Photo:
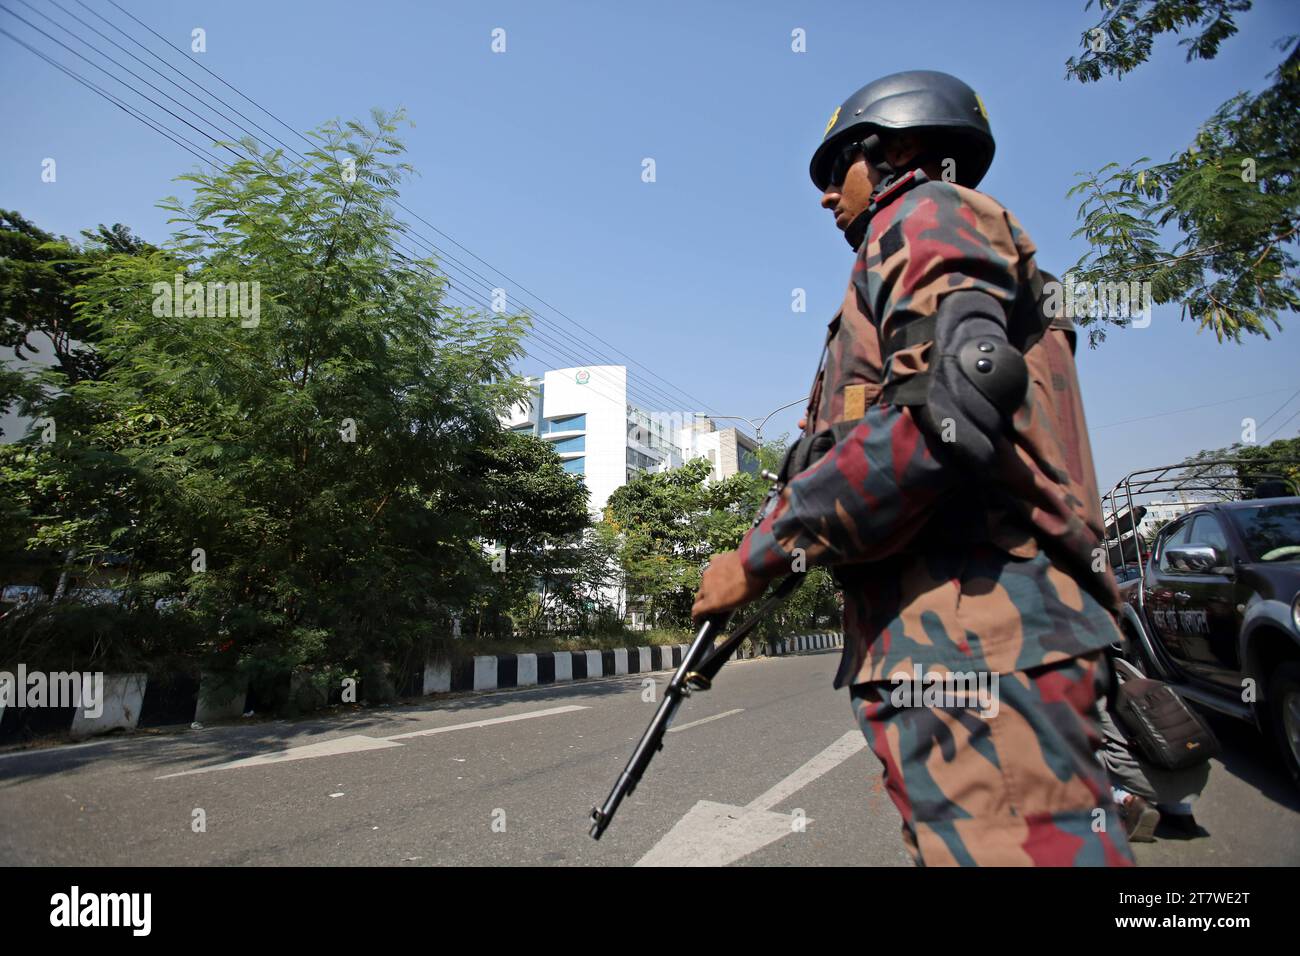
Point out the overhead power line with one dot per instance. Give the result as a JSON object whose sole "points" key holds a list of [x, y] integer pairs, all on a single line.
{"points": [[554, 345], [430, 225]]}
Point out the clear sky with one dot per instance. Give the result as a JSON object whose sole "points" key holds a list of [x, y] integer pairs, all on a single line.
{"points": [[532, 158]]}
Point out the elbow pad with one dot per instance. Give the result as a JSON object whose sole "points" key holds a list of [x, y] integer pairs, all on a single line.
{"points": [[977, 378]]}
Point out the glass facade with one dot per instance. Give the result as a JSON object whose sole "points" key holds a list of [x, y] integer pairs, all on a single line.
{"points": [[651, 431], [576, 466], [639, 462], [573, 423], [576, 443]]}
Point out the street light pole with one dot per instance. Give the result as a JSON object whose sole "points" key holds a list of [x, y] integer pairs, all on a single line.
{"points": [[756, 425]]}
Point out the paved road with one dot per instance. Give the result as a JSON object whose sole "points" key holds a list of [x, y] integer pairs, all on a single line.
{"points": [[766, 769]]}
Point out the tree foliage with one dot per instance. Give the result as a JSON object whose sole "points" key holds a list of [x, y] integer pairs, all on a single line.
{"points": [[668, 524], [38, 322], [313, 485], [1256, 463], [1214, 227]]}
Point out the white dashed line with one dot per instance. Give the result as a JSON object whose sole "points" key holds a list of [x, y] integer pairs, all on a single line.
{"points": [[696, 723]]}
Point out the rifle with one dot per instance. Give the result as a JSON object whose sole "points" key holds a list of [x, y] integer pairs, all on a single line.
{"points": [[699, 666]]}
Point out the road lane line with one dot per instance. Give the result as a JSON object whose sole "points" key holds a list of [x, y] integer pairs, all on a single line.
{"points": [[696, 723], [357, 743], [567, 709], [823, 763], [354, 743]]}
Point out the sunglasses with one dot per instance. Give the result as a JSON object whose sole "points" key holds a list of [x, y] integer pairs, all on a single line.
{"points": [[847, 157]]}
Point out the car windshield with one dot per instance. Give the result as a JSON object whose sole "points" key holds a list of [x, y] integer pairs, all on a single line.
{"points": [[1271, 532]]}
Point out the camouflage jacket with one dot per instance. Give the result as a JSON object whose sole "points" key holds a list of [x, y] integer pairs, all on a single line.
{"points": [[940, 567]]}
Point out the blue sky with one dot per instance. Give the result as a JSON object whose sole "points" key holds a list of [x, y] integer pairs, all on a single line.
{"points": [[532, 159]]}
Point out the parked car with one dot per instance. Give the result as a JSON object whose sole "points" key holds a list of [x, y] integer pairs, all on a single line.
{"points": [[1216, 612]]}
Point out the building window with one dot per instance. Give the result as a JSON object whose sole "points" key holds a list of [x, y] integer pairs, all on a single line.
{"points": [[575, 466], [572, 423], [637, 460], [577, 443]]}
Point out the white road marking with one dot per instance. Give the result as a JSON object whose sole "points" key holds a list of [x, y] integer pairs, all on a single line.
{"points": [[696, 723], [716, 834], [357, 743], [354, 743], [824, 762], [567, 709]]}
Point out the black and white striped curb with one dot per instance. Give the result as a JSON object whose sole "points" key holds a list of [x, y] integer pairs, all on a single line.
{"points": [[498, 671], [798, 643], [134, 700]]}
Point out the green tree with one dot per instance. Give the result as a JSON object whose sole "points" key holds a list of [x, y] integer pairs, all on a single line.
{"points": [[577, 584], [1230, 201], [524, 494], [297, 480], [668, 525], [38, 274], [532, 510], [1277, 459]]}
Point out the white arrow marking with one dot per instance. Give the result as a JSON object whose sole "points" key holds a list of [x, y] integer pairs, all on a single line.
{"points": [[716, 834], [823, 763]]}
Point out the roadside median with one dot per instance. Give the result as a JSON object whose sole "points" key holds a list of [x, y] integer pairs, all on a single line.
{"points": [[133, 701]]}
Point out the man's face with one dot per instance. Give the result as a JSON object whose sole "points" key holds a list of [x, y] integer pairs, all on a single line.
{"points": [[850, 197]]}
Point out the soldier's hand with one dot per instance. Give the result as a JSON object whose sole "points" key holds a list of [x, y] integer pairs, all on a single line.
{"points": [[726, 585]]}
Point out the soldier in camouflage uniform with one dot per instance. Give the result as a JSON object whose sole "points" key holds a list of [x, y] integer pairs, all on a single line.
{"points": [[945, 475]]}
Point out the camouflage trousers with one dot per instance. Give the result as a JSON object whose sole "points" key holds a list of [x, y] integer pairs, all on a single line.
{"points": [[1019, 786]]}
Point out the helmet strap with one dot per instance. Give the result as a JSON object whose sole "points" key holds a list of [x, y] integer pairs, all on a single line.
{"points": [[873, 151]]}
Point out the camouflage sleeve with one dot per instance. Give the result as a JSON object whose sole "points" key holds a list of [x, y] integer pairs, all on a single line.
{"points": [[871, 493], [862, 501]]}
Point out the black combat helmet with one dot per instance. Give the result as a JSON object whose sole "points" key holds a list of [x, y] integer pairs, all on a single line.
{"points": [[917, 100]]}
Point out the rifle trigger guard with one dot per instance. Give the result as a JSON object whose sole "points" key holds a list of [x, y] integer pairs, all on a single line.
{"points": [[698, 681]]}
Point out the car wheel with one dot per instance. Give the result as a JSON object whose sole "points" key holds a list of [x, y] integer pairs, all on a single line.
{"points": [[1284, 713]]}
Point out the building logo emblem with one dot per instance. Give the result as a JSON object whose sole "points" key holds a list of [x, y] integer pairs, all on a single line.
{"points": [[583, 377]]}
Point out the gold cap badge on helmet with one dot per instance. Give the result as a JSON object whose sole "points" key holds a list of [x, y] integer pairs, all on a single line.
{"points": [[831, 122]]}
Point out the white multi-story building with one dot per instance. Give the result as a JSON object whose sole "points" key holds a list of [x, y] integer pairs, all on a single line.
{"points": [[585, 415], [598, 434], [1159, 512]]}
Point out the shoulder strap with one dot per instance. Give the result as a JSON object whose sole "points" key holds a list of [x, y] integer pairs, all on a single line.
{"points": [[1029, 321]]}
